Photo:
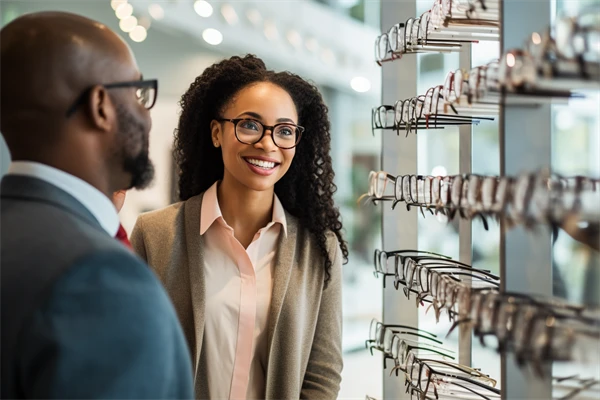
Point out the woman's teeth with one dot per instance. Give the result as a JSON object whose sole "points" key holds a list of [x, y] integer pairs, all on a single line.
{"points": [[261, 163]]}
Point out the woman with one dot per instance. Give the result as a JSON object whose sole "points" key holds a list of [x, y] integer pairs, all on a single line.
{"points": [[252, 255]]}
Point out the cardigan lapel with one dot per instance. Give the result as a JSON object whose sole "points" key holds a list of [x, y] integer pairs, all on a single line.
{"points": [[284, 261], [195, 253]]}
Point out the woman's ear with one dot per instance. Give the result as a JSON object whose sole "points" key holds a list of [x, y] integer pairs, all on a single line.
{"points": [[215, 133]]}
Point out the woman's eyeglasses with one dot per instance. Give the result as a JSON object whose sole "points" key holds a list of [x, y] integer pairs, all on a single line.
{"points": [[251, 131]]}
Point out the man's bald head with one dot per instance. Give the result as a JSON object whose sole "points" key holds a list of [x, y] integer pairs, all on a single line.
{"points": [[50, 61], [47, 59]]}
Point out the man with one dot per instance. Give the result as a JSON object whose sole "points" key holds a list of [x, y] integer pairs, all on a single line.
{"points": [[82, 317]]}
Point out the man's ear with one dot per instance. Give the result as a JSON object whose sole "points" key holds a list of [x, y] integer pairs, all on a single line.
{"points": [[215, 133], [101, 109]]}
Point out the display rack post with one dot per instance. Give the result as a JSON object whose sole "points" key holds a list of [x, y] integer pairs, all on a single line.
{"points": [[465, 238], [399, 156]]}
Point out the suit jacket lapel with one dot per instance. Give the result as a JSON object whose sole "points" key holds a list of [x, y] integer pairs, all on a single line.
{"points": [[195, 253]]}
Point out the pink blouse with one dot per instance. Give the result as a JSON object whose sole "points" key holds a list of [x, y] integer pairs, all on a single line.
{"points": [[239, 285]]}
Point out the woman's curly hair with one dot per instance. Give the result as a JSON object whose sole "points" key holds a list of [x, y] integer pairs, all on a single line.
{"points": [[306, 190]]}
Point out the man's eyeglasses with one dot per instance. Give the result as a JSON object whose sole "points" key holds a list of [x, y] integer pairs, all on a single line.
{"points": [[250, 131], [146, 91]]}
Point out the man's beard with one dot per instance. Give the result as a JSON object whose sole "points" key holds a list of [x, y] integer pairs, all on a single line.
{"points": [[131, 133]]}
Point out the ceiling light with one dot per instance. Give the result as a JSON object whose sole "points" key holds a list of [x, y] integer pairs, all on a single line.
{"points": [[254, 17], [212, 36], [127, 24], [229, 14], [116, 3], [203, 8], [311, 44], [124, 11], [138, 34], [294, 38], [271, 30], [156, 11], [145, 22], [360, 84], [327, 56]]}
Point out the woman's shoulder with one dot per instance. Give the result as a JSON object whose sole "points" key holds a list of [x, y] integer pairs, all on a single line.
{"points": [[168, 215], [309, 239]]}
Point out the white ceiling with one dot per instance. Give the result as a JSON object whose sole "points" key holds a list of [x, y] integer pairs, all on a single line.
{"points": [[344, 46], [175, 53]]}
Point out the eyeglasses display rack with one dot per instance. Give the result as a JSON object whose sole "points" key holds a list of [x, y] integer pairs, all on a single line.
{"points": [[539, 63]]}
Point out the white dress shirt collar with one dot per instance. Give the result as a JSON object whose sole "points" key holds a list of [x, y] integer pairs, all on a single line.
{"points": [[94, 200]]}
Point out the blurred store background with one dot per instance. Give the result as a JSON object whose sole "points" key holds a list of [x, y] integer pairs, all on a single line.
{"points": [[328, 42], [331, 43]]}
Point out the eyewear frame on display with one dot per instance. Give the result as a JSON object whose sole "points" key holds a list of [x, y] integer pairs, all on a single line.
{"points": [[557, 383], [421, 370], [443, 28], [442, 283], [395, 347], [381, 265], [420, 112], [455, 14], [582, 385], [553, 64], [530, 199], [515, 319], [418, 370], [378, 332], [399, 350]]}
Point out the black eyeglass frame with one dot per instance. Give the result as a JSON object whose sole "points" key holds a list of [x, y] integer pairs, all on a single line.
{"points": [[152, 83]]}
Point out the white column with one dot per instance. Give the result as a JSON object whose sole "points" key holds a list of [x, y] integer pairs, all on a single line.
{"points": [[399, 156]]}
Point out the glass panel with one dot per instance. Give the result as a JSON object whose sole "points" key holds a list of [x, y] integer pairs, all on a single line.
{"points": [[576, 151], [576, 148]]}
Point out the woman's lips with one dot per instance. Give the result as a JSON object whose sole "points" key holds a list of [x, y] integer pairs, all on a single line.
{"points": [[261, 167]]}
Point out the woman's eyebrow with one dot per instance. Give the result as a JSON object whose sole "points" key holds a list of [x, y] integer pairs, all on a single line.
{"points": [[259, 117]]}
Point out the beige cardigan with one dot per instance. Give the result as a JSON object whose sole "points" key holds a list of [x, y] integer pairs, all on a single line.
{"points": [[305, 320]]}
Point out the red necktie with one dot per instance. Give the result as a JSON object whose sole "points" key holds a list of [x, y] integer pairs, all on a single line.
{"points": [[122, 236]]}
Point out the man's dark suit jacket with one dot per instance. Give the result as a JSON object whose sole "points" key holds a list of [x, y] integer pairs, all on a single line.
{"points": [[82, 317]]}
